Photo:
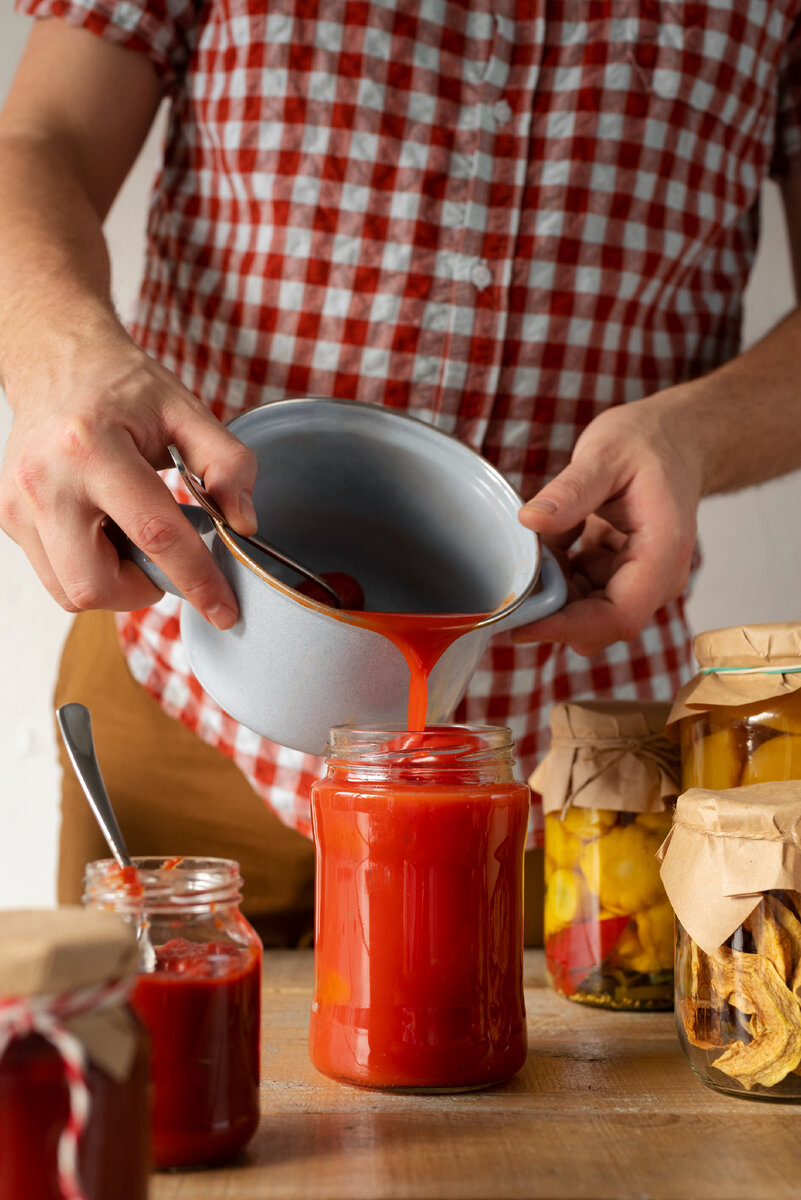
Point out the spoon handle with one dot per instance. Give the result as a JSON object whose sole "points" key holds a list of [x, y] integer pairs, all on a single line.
{"points": [[75, 724], [197, 488]]}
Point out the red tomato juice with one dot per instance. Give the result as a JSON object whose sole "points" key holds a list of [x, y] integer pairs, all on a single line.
{"points": [[201, 1007], [418, 947], [422, 639]]}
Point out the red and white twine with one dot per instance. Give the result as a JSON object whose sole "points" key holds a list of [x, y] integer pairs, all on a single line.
{"points": [[48, 1016]]}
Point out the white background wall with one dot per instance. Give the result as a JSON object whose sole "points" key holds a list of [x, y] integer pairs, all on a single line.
{"points": [[751, 541]]}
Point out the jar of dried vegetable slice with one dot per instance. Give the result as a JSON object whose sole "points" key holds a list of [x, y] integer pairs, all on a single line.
{"points": [[732, 871], [739, 717], [608, 784]]}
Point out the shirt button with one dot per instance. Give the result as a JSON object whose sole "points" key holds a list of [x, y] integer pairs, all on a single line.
{"points": [[481, 276], [502, 112]]}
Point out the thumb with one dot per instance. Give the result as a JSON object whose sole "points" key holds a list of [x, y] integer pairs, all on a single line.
{"points": [[570, 497], [226, 466]]}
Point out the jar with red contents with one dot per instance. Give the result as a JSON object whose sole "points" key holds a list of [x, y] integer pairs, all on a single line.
{"points": [[199, 995], [74, 1080], [418, 972]]}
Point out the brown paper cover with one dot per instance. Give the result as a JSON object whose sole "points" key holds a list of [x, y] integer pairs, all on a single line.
{"points": [[724, 850], [745, 647], [609, 754], [47, 951]]}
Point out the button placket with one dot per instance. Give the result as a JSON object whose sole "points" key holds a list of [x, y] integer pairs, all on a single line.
{"points": [[520, 79]]}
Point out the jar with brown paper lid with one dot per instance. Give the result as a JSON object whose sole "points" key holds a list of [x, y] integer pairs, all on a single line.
{"points": [[74, 1066], [732, 870], [739, 718], [608, 784]]}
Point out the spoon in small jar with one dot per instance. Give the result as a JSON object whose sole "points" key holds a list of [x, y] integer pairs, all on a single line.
{"points": [[75, 725]]}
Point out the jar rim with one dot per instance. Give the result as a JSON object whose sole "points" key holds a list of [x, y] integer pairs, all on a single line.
{"points": [[455, 745], [166, 883]]}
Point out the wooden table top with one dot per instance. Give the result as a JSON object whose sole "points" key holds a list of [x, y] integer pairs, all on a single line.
{"points": [[605, 1108]]}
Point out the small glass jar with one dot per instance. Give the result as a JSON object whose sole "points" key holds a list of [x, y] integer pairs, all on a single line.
{"points": [[608, 924], [740, 717], [418, 968], [40, 1050], [199, 996], [737, 1015]]}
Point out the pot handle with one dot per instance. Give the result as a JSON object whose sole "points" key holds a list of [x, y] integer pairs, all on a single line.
{"points": [[126, 548], [551, 595]]}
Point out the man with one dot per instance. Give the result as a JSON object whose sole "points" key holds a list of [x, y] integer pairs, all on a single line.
{"points": [[509, 220]]}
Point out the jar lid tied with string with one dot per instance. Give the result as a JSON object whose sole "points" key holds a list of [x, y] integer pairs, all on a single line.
{"points": [[608, 784], [738, 720], [74, 1062]]}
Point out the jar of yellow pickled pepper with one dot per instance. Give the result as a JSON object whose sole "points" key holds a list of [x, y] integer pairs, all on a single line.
{"points": [[608, 784], [739, 718], [732, 870]]}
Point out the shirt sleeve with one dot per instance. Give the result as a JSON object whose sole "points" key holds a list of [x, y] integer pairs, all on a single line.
{"points": [[787, 148], [162, 29]]}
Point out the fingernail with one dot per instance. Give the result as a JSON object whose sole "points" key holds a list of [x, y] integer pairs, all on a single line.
{"points": [[222, 616], [246, 508], [543, 505]]}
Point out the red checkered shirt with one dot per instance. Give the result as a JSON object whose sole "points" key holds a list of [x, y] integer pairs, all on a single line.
{"points": [[504, 217]]}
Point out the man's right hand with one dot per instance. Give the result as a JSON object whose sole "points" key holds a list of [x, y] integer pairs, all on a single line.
{"points": [[87, 442]]}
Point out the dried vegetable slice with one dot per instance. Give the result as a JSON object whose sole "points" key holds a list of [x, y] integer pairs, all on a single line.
{"points": [[784, 915], [702, 1024], [770, 939], [745, 1003], [708, 1021], [752, 984], [699, 965]]}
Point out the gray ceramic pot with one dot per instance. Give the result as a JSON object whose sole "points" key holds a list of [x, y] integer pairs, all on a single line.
{"points": [[422, 521]]}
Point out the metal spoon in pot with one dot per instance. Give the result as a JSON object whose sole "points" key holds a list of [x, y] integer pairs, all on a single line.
{"points": [[197, 488], [75, 724]]}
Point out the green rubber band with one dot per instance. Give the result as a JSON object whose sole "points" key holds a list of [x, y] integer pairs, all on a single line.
{"points": [[749, 670]]}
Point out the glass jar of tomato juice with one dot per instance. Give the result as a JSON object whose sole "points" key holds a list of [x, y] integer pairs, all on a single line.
{"points": [[199, 995], [418, 982]]}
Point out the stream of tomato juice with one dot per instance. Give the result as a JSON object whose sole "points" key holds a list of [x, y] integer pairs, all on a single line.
{"points": [[422, 639]]}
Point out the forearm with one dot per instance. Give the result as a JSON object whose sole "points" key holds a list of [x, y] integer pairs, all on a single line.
{"points": [[741, 424], [94, 415], [54, 262], [74, 120]]}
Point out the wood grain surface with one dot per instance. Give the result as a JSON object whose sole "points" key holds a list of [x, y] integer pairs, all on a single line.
{"points": [[606, 1108]]}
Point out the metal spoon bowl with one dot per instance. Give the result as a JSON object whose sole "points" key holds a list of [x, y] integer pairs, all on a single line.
{"points": [[75, 725]]}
